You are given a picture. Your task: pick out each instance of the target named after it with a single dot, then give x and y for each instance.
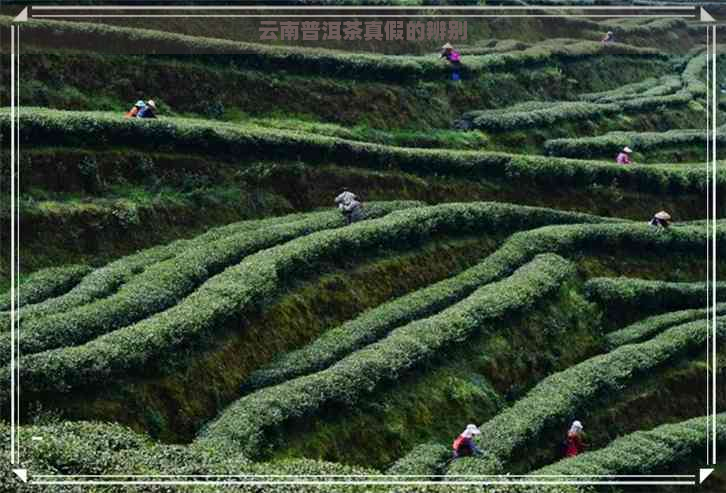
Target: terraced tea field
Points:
(192, 303)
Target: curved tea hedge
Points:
(669, 92)
(108, 279)
(648, 87)
(516, 251)
(644, 452)
(259, 56)
(424, 460)
(375, 323)
(166, 283)
(638, 295)
(249, 422)
(92, 448)
(693, 75)
(239, 288)
(46, 283)
(609, 144)
(538, 114)
(63, 128)
(559, 397)
(645, 329)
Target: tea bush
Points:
(639, 295)
(62, 128)
(375, 323)
(190, 324)
(112, 39)
(46, 283)
(166, 283)
(252, 422)
(425, 459)
(643, 452)
(561, 397)
(107, 280)
(645, 329)
(516, 251)
(609, 144)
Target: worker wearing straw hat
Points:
(148, 111)
(464, 445)
(573, 441)
(454, 58)
(661, 220)
(135, 109)
(624, 156)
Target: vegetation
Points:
(161, 285)
(425, 459)
(46, 283)
(306, 60)
(103, 282)
(73, 128)
(373, 325)
(536, 114)
(645, 329)
(643, 451)
(248, 423)
(561, 397)
(609, 144)
(628, 298)
(186, 306)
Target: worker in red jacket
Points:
(464, 445)
(574, 440)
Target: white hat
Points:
(663, 215)
(627, 149)
(447, 46)
(576, 426)
(151, 103)
(471, 430)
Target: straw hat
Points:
(471, 430)
(576, 427)
(151, 103)
(663, 215)
(447, 46)
(627, 149)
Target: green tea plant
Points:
(639, 295)
(425, 459)
(609, 144)
(598, 380)
(645, 329)
(165, 283)
(643, 452)
(46, 283)
(375, 323)
(113, 39)
(107, 280)
(251, 423)
(63, 128)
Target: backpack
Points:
(457, 442)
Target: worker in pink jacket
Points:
(624, 156)
(464, 445)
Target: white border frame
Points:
(504, 479)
